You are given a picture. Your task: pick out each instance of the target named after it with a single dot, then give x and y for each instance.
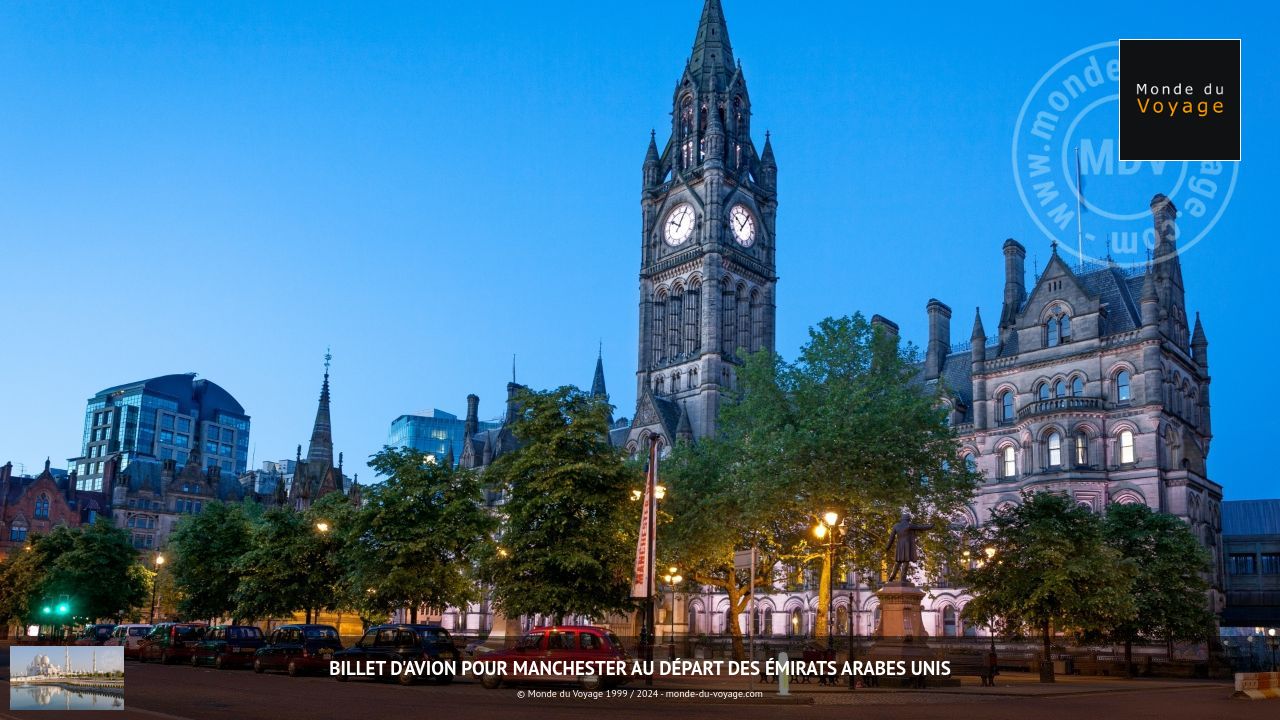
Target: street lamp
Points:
(990, 552)
(322, 526)
(826, 530)
(672, 579)
(157, 561)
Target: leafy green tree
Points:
(566, 545)
(296, 561)
(416, 537)
(205, 550)
(846, 428)
(24, 573)
(1052, 568)
(94, 567)
(1169, 588)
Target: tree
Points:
(296, 561)
(846, 428)
(565, 547)
(206, 548)
(414, 541)
(1169, 589)
(23, 575)
(1052, 568)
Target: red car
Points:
(561, 643)
(170, 642)
(298, 649)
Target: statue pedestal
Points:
(900, 634)
(900, 612)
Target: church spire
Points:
(597, 382)
(711, 64)
(321, 448)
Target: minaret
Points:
(320, 452)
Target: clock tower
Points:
(707, 277)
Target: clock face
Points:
(679, 224)
(743, 225)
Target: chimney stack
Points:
(1015, 288)
(939, 338)
(472, 424)
(883, 323)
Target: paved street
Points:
(183, 692)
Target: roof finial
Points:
(327, 357)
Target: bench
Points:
(972, 665)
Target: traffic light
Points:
(63, 607)
(46, 610)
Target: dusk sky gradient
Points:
(428, 188)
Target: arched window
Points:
(1057, 329)
(695, 627)
(692, 320)
(949, 622)
(728, 318)
(42, 507)
(875, 619)
(744, 319)
(659, 340)
(1122, 387)
(1008, 462)
(1006, 407)
(757, 321)
(1077, 387)
(1055, 449)
(1082, 449)
(1042, 392)
(795, 624)
(768, 622)
(842, 620)
(675, 327)
(659, 385)
(1126, 447)
(970, 462)
(1060, 389)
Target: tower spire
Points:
(597, 382)
(321, 448)
(711, 63)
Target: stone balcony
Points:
(1059, 405)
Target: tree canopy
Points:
(205, 550)
(565, 545)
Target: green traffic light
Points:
(62, 608)
(46, 610)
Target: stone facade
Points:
(36, 505)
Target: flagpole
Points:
(1079, 214)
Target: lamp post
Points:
(990, 552)
(672, 579)
(826, 530)
(647, 630)
(157, 561)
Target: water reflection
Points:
(58, 697)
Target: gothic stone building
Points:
(707, 272)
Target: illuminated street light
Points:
(322, 526)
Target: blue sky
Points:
(228, 188)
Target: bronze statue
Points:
(902, 543)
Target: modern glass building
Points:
(435, 433)
(161, 419)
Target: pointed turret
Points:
(356, 496)
(651, 162)
(1200, 345)
(768, 166)
(978, 338)
(321, 449)
(684, 429)
(448, 458)
(711, 63)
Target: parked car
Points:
(227, 646)
(128, 636)
(170, 642)
(95, 635)
(561, 642)
(298, 649)
(402, 642)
